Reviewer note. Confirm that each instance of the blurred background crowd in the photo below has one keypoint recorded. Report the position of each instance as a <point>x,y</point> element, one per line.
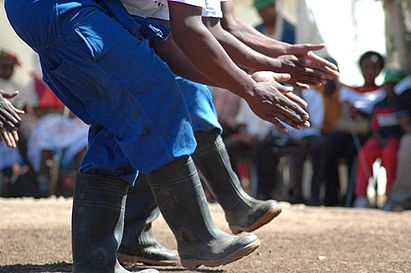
<point>356,152</point>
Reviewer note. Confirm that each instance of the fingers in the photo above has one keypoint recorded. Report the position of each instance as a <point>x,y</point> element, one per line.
<point>263,76</point>
<point>293,100</point>
<point>301,85</point>
<point>287,117</point>
<point>301,49</point>
<point>322,62</point>
<point>18,111</point>
<point>9,119</point>
<point>305,74</point>
<point>290,112</point>
<point>15,136</point>
<point>9,115</point>
<point>6,122</point>
<point>293,97</point>
<point>9,95</point>
<point>328,70</point>
<point>266,76</point>
<point>278,124</point>
<point>292,106</point>
<point>282,77</point>
<point>12,112</point>
<point>9,139</point>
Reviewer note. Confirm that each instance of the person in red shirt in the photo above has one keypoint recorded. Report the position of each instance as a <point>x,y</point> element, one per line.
<point>383,143</point>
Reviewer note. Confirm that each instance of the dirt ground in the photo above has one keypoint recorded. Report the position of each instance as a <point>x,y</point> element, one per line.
<point>35,237</point>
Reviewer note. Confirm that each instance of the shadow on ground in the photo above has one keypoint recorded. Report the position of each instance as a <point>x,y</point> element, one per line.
<point>66,267</point>
<point>36,268</point>
<point>176,269</point>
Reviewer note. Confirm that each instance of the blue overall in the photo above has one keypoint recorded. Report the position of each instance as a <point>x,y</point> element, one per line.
<point>111,80</point>
<point>116,83</point>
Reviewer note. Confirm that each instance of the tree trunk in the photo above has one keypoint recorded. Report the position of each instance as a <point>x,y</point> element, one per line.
<point>396,30</point>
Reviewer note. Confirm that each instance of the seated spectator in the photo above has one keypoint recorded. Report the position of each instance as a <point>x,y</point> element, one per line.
<point>296,144</point>
<point>400,197</point>
<point>383,143</point>
<point>349,128</point>
<point>12,167</point>
<point>227,106</point>
<point>267,153</point>
<point>55,134</point>
<point>252,130</point>
<point>306,142</point>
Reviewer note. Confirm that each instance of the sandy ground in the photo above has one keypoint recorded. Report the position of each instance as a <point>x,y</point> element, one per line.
<point>35,237</point>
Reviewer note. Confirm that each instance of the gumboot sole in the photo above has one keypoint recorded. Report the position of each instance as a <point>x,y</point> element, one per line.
<point>132,260</point>
<point>192,264</point>
<point>263,220</point>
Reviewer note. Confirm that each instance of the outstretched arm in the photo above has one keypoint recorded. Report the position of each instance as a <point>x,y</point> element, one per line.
<point>273,48</point>
<point>247,57</point>
<point>269,100</point>
<point>249,35</point>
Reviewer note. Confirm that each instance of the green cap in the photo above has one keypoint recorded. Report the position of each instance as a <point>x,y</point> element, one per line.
<point>260,4</point>
<point>394,75</point>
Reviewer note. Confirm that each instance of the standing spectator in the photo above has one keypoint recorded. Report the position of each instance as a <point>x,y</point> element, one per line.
<point>273,24</point>
<point>383,143</point>
<point>400,197</point>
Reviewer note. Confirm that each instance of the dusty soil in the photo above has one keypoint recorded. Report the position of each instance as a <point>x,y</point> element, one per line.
<point>35,237</point>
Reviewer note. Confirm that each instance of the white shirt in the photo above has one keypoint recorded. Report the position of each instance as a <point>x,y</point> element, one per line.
<point>315,110</point>
<point>254,125</point>
<point>158,9</point>
<point>27,96</point>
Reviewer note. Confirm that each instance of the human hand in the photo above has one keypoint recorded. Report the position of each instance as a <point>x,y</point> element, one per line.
<point>307,58</point>
<point>9,115</point>
<point>304,70</point>
<point>273,102</point>
<point>10,137</point>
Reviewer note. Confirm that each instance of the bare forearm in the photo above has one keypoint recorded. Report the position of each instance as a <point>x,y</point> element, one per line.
<point>249,35</point>
<point>178,61</point>
<point>206,53</point>
<point>239,52</point>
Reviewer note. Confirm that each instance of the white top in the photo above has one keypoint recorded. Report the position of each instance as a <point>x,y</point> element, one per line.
<point>158,9</point>
<point>403,85</point>
<point>54,132</point>
<point>254,125</point>
<point>26,97</point>
<point>260,128</point>
<point>315,110</point>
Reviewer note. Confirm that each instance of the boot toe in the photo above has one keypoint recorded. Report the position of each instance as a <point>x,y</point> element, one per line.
<point>262,213</point>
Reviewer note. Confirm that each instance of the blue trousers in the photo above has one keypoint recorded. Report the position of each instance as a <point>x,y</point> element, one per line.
<point>140,118</point>
<point>114,82</point>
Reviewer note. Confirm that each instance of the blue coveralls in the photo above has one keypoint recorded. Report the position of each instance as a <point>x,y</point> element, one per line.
<point>116,83</point>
